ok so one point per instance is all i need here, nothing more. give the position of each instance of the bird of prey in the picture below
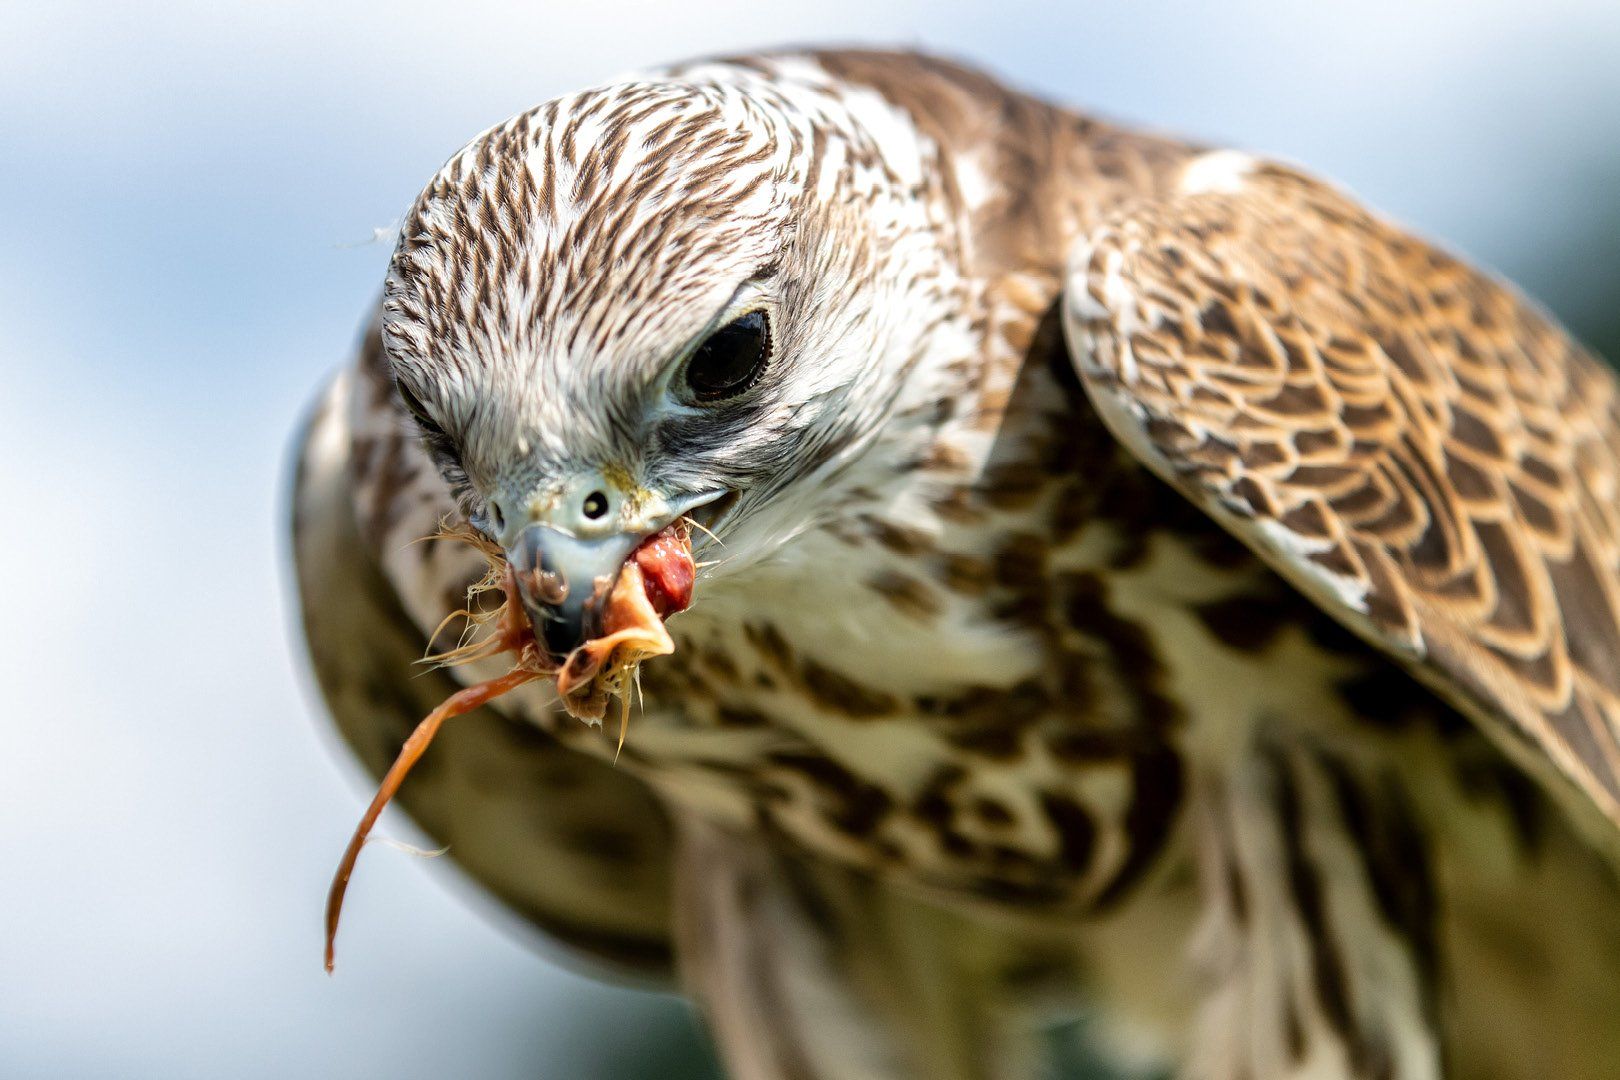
(1134, 580)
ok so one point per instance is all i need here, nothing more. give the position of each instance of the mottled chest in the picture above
(990, 682)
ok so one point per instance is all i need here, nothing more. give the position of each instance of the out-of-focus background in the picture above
(188, 198)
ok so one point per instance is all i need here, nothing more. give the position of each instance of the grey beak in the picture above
(565, 581)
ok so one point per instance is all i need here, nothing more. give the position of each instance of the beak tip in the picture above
(559, 630)
(561, 579)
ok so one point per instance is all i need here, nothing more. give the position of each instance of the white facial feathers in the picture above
(550, 278)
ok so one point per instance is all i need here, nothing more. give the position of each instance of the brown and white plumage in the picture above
(1411, 443)
(975, 716)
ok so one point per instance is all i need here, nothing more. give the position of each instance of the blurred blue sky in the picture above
(189, 189)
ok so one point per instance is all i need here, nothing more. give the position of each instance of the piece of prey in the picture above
(655, 582)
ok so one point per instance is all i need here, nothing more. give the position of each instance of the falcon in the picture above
(1133, 581)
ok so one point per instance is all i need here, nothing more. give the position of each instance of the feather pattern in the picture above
(975, 721)
(1413, 444)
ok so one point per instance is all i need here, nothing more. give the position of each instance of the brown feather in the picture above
(1458, 503)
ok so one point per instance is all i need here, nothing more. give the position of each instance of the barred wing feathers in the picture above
(1412, 444)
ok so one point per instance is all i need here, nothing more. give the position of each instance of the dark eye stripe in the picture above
(731, 360)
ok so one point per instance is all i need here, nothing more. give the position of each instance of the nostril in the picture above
(596, 504)
(497, 520)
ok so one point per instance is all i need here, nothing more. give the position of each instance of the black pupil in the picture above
(732, 359)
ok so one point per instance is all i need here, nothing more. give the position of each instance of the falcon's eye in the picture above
(731, 360)
(438, 444)
(418, 411)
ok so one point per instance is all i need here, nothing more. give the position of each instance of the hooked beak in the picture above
(564, 580)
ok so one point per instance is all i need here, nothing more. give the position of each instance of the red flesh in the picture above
(667, 570)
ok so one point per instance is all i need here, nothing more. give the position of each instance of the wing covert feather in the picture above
(1414, 445)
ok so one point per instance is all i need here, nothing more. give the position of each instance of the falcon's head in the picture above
(712, 292)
